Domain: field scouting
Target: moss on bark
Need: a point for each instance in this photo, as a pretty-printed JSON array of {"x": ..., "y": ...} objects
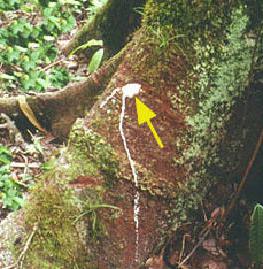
[
  {"x": 195, "y": 90},
  {"x": 90, "y": 155},
  {"x": 65, "y": 217},
  {"x": 56, "y": 243}
]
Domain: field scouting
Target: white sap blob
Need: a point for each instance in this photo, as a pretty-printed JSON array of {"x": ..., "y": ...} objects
[{"x": 129, "y": 90}]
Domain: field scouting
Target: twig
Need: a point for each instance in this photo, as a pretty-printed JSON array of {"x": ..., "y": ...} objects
[
  {"x": 33, "y": 165},
  {"x": 181, "y": 264},
  {"x": 244, "y": 178},
  {"x": 21, "y": 257},
  {"x": 52, "y": 64},
  {"x": 182, "y": 249}
]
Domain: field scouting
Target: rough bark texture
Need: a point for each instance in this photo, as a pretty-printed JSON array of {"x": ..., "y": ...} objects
[
  {"x": 208, "y": 115},
  {"x": 164, "y": 194}
]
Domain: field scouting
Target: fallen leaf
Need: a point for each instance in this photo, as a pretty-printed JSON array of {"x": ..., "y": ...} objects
[{"x": 26, "y": 109}]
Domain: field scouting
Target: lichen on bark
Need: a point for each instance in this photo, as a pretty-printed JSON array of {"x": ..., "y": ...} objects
[{"x": 194, "y": 69}]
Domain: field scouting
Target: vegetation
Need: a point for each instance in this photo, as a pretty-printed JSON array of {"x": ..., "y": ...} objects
[
  {"x": 56, "y": 242},
  {"x": 64, "y": 222},
  {"x": 97, "y": 56},
  {"x": 90, "y": 154},
  {"x": 64, "y": 218},
  {"x": 223, "y": 74},
  {"x": 10, "y": 190},
  {"x": 256, "y": 235},
  {"x": 28, "y": 47},
  {"x": 200, "y": 67}
]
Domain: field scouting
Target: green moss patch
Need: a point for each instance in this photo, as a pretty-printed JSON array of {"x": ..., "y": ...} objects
[
  {"x": 56, "y": 243},
  {"x": 91, "y": 155}
]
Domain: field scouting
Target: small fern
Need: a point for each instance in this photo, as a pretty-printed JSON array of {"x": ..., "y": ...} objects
[{"x": 256, "y": 235}]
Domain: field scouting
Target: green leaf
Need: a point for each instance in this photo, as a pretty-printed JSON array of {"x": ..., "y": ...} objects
[
  {"x": 43, "y": 82},
  {"x": 59, "y": 77},
  {"x": 4, "y": 150},
  {"x": 12, "y": 54},
  {"x": 69, "y": 24},
  {"x": 17, "y": 27},
  {"x": 26, "y": 82},
  {"x": 5, "y": 156},
  {"x": 26, "y": 33},
  {"x": 49, "y": 165},
  {"x": 21, "y": 49},
  {"x": 4, "y": 159},
  {"x": 95, "y": 61},
  {"x": 35, "y": 32},
  {"x": 256, "y": 235},
  {"x": 8, "y": 77},
  {"x": 10, "y": 191},
  {"x": 49, "y": 38},
  {"x": 28, "y": 65},
  {"x": 48, "y": 12},
  {"x": 11, "y": 200},
  {"x": 90, "y": 43}
]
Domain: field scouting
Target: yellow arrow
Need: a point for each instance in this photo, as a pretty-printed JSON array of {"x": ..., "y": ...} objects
[{"x": 145, "y": 114}]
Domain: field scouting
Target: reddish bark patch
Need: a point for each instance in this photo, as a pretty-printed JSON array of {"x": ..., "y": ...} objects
[
  {"x": 169, "y": 124},
  {"x": 119, "y": 248},
  {"x": 84, "y": 181}
]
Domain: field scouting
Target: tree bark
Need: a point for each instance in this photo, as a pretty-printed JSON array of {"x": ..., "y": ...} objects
[{"x": 204, "y": 107}]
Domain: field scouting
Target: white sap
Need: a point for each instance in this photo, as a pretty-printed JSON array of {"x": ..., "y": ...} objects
[
  {"x": 128, "y": 91},
  {"x": 103, "y": 103}
]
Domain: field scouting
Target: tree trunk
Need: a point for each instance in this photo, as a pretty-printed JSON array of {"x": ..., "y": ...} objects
[{"x": 197, "y": 73}]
